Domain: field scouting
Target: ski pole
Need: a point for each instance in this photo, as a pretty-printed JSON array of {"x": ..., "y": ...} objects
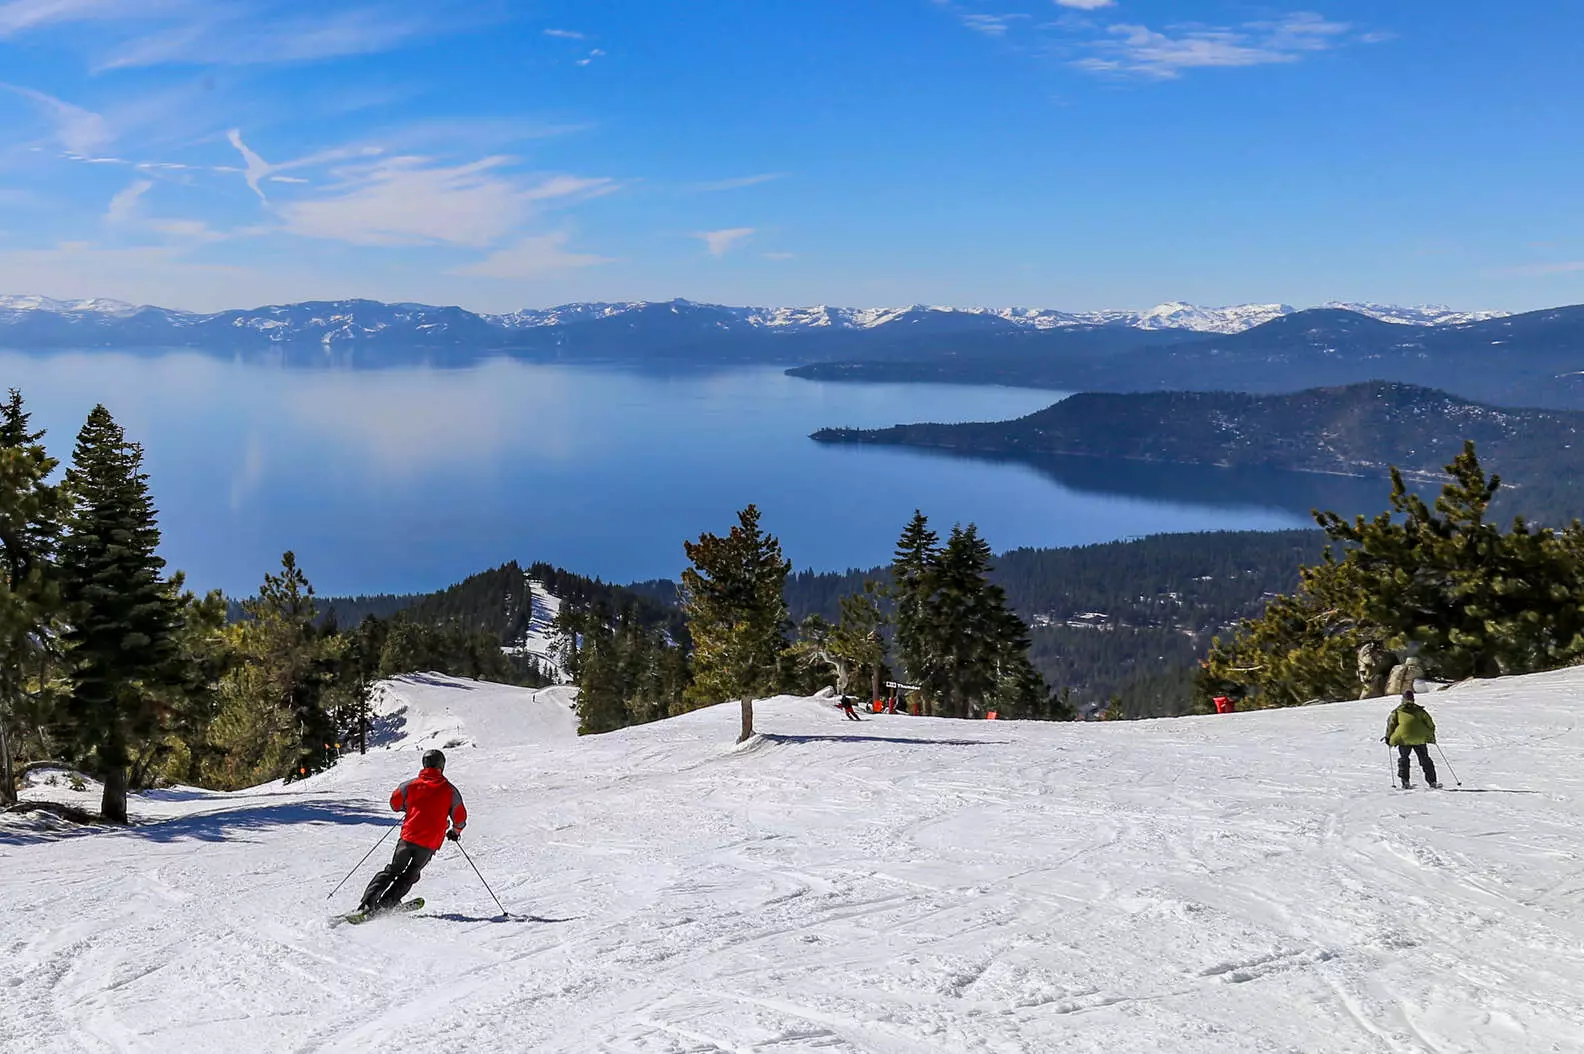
[
  {"x": 360, "y": 863},
  {"x": 1448, "y": 764},
  {"x": 1391, "y": 767},
  {"x": 487, "y": 888}
]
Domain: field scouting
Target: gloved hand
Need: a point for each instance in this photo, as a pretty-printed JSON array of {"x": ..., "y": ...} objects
[
  {"x": 453, "y": 835},
  {"x": 1384, "y": 739}
]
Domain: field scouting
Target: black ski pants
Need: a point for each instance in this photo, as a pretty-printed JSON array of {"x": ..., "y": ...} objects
[
  {"x": 399, "y": 876},
  {"x": 1424, "y": 762}
]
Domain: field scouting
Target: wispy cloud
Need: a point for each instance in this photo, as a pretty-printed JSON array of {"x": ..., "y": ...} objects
[
  {"x": 125, "y": 205},
  {"x": 1140, "y": 51},
  {"x": 128, "y": 211},
  {"x": 721, "y": 242},
  {"x": 240, "y": 32},
  {"x": 19, "y": 15},
  {"x": 1086, "y": 5},
  {"x": 590, "y": 57},
  {"x": 739, "y": 182},
  {"x": 257, "y": 169},
  {"x": 990, "y": 25},
  {"x": 416, "y": 201},
  {"x": 566, "y": 34},
  {"x": 1542, "y": 270},
  {"x": 534, "y": 256},
  {"x": 77, "y": 130},
  {"x": 225, "y": 35}
]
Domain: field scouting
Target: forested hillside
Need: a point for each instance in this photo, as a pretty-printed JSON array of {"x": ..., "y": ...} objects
[
  {"x": 1356, "y": 430},
  {"x": 1127, "y": 619},
  {"x": 497, "y": 601}
]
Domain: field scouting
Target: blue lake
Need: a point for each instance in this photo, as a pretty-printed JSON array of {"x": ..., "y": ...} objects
[{"x": 403, "y": 479}]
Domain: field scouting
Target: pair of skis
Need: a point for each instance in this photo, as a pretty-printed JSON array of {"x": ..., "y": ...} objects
[{"x": 357, "y": 918}]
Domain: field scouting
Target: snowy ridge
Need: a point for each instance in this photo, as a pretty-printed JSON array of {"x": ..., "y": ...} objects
[
  {"x": 1171, "y": 315},
  {"x": 355, "y": 320},
  {"x": 1423, "y": 315},
  {"x": 1234, "y": 883}
]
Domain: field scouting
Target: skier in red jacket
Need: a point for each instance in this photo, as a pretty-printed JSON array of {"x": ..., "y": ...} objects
[{"x": 429, "y": 802}]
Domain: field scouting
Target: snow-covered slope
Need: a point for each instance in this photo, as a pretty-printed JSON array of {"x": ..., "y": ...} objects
[
  {"x": 540, "y": 641},
  {"x": 426, "y": 710},
  {"x": 1225, "y": 884}
]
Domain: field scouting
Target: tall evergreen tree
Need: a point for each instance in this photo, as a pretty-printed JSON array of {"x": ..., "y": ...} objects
[
  {"x": 602, "y": 688},
  {"x": 31, "y": 510},
  {"x": 857, "y": 638},
  {"x": 124, "y": 619},
  {"x": 734, "y": 597},
  {"x": 912, "y": 585}
]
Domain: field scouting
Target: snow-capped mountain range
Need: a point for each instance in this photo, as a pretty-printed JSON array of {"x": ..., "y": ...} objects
[
  {"x": 1172, "y": 315},
  {"x": 331, "y": 321}
]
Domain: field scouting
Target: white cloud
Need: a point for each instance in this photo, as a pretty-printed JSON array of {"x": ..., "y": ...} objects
[
  {"x": 223, "y": 35},
  {"x": 721, "y": 242},
  {"x": 257, "y": 169},
  {"x": 127, "y": 204},
  {"x": 592, "y": 55},
  {"x": 78, "y": 130},
  {"x": 566, "y": 34},
  {"x": 533, "y": 256},
  {"x": 412, "y": 201},
  {"x": 1086, "y": 5},
  {"x": 1137, "y": 49},
  {"x": 739, "y": 182},
  {"x": 990, "y": 25},
  {"x": 19, "y": 15},
  {"x": 128, "y": 212}
]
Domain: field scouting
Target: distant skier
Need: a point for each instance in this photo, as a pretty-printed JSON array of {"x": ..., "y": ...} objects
[
  {"x": 429, "y": 801},
  {"x": 846, "y": 707},
  {"x": 1410, "y": 728}
]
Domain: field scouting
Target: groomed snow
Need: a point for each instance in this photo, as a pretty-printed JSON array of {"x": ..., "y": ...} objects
[{"x": 1223, "y": 884}]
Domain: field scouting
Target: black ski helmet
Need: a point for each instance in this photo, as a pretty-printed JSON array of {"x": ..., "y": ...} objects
[{"x": 433, "y": 759}]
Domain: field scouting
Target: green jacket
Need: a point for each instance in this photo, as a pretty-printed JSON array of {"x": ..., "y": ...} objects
[{"x": 1410, "y": 725}]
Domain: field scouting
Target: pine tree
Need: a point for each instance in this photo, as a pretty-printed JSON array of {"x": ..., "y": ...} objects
[
  {"x": 123, "y": 616},
  {"x": 912, "y": 586},
  {"x": 602, "y": 693},
  {"x": 964, "y": 627},
  {"x": 734, "y": 597},
  {"x": 184, "y": 751},
  {"x": 1474, "y": 601},
  {"x": 31, "y": 511},
  {"x": 857, "y": 638}
]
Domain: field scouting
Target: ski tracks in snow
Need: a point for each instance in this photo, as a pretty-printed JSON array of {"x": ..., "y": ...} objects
[{"x": 1242, "y": 883}]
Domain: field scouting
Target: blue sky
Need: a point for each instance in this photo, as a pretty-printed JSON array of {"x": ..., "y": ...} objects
[{"x": 1078, "y": 154}]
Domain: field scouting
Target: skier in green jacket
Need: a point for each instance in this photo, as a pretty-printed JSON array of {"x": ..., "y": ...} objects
[{"x": 1411, "y": 728}]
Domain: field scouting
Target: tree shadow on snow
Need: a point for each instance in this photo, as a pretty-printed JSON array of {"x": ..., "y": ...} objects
[
  {"x": 221, "y": 825},
  {"x": 776, "y": 737},
  {"x": 386, "y": 729},
  {"x": 436, "y": 681}
]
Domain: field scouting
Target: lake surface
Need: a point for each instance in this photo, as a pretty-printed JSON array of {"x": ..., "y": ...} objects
[{"x": 405, "y": 479}]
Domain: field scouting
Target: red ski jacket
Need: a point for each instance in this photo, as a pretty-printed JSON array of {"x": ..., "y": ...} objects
[{"x": 429, "y": 801}]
